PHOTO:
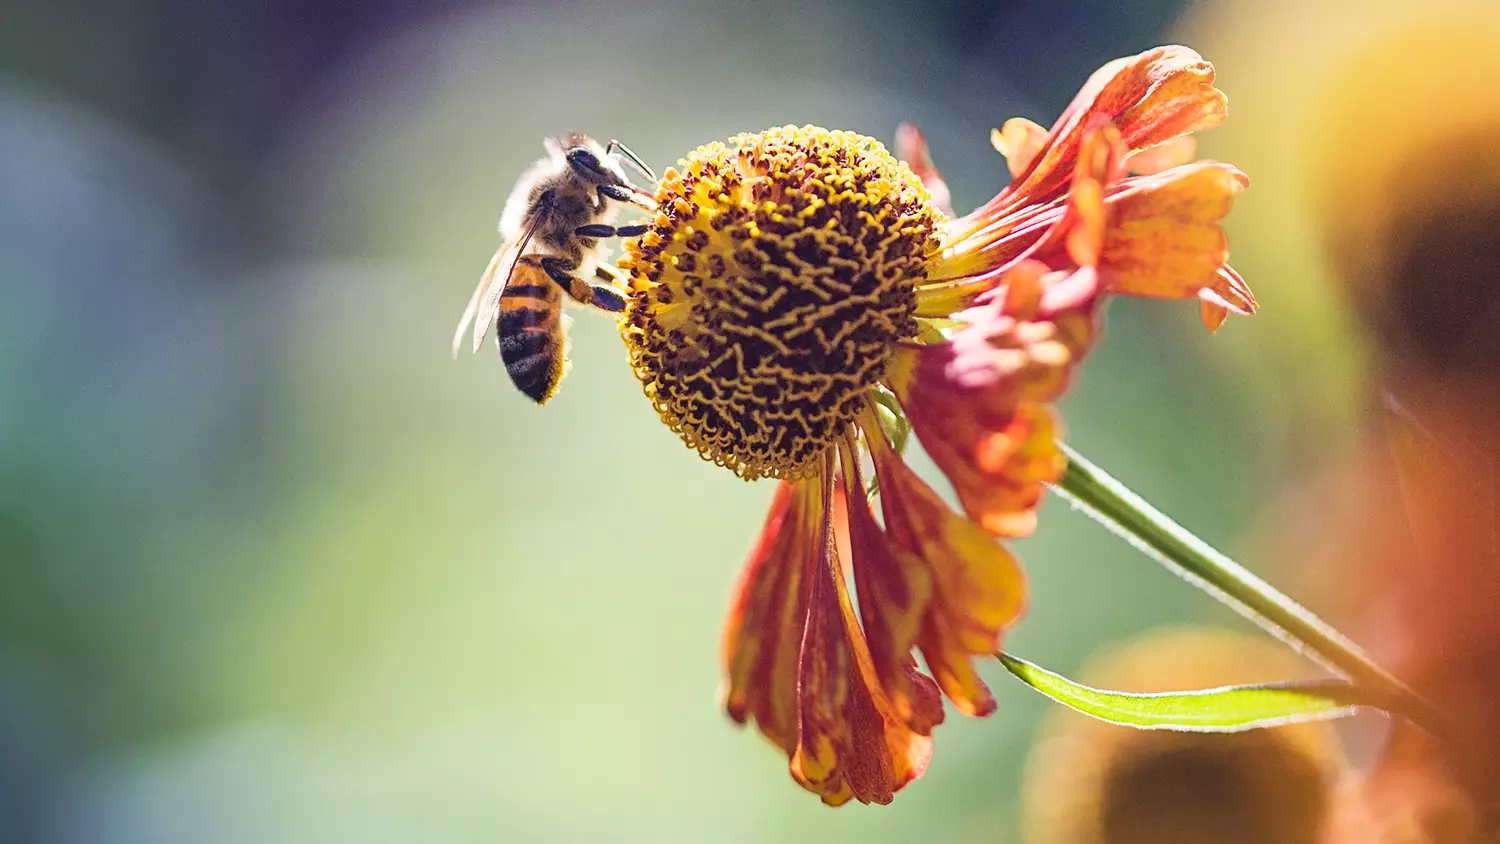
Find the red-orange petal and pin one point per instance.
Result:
(763, 636)
(1067, 232)
(1151, 98)
(895, 591)
(911, 147)
(978, 402)
(850, 745)
(979, 588)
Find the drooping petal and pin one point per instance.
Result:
(763, 637)
(978, 402)
(979, 588)
(849, 742)
(1230, 289)
(895, 590)
(911, 147)
(1164, 239)
(1211, 312)
(997, 453)
(1227, 293)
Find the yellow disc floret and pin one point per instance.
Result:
(768, 296)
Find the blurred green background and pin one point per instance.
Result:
(274, 569)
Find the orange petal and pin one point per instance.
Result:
(763, 637)
(980, 588)
(1230, 290)
(911, 147)
(1164, 239)
(1163, 156)
(1019, 140)
(1100, 162)
(849, 743)
(1211, 312)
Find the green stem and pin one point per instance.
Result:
(1177, 548)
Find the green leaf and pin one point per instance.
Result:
(1229, 709)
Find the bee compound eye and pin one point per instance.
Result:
(586, 163)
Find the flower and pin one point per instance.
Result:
(802, 303)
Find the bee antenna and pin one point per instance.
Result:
(631, 157)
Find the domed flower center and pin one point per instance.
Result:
(769, 295)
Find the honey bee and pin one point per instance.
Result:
(551, 229)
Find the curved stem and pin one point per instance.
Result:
(1112, 504)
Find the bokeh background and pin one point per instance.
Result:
(273, 568)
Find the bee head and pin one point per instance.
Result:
(591, 164)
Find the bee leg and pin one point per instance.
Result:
(608, 298)
(613, 288)
(600, 230)
(560, 270)
(628, 193)
(618, 193)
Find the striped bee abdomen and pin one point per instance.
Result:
(530, 332)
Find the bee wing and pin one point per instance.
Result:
(485, 302)
(486, 298)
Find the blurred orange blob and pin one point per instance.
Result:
(1414, 542)
(1401, 166)
(1398, 159)
(1089, 782)
(1410, 224)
